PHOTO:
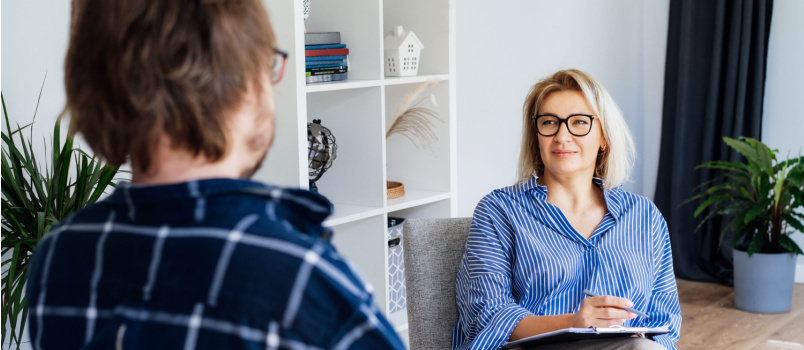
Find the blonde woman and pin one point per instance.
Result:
(566, 227)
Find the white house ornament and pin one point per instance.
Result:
(402, 50)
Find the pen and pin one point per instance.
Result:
(629, 309)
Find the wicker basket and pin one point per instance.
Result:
(394, 189)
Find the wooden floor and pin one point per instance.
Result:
(710, 321)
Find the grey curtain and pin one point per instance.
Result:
(714, 87)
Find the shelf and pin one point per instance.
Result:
(342, 85)
(414, 198)
(348, 212)
(414, 79)
(359, 83)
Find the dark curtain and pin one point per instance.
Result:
(714, 87)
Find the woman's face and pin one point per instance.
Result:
(565, 154)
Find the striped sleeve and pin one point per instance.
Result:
(487, 309)
(663, 307)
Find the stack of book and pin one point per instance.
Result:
(326, 59)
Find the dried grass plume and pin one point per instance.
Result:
(414, 122)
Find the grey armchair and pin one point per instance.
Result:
(433, 251)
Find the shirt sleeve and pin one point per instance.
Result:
(368, 330)
(663, 306)
(488, 312)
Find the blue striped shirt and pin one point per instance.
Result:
(211, 264)
(524, 258)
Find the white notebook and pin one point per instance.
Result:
(574, 334)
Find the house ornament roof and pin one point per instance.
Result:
(394, 39)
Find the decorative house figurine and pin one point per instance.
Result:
(402, 49)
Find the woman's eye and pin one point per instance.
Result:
(579, 122)
(548, 122)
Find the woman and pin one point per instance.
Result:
(565, 227)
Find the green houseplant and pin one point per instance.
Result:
(759, 198)
(34, 199)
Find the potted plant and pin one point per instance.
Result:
(34, 199)
(759, 197)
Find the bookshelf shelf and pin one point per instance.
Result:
(414, 198)
(343, 85)
(358, 111)
(345, 213)
(363, 83)
(411, 80)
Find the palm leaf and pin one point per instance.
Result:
(34, 198)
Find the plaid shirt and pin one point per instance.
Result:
(212, 264)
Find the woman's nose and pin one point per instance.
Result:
(563, 133)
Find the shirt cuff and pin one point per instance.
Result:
(500, 327)
(665, 341)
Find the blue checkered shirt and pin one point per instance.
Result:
(211, 264)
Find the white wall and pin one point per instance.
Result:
(34, 42)
(782, 119)
(504, 49)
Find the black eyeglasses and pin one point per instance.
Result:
(577, 124)
(278, 68)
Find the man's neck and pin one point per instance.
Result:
(170, 165)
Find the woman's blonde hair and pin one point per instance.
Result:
(614, 162)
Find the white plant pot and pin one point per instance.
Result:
(763, 283)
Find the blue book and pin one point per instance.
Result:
(325, 63)
(324, 58)
(321, 47)
(325, 66)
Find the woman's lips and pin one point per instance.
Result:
(563, 153)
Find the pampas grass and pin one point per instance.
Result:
(414, 122)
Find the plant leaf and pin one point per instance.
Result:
(792, 221)
(34, 198)
(789, 244)
(760, 209)
(764, 155)
(756, 244)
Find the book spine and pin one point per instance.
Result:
(322, 38)
(329, 66)
(325, 71)
(326, 52)
(319, 47)
(325, 63)
(324, 58)
(326, 77)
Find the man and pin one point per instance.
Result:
(189, 255)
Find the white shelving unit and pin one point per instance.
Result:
(357, 111)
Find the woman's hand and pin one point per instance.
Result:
(604, 311)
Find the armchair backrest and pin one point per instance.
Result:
(433, 251)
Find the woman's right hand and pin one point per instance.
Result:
(603, 311)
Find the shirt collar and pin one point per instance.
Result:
(126, 191)
(613, 197)
(304, 203)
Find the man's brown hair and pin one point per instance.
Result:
(137, 68)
